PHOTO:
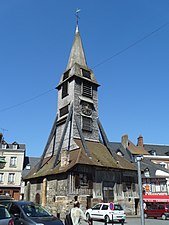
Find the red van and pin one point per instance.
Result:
(157, 210)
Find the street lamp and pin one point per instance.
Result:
(138, 159)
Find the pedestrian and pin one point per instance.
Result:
(77, 214)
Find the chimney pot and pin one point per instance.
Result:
(140, 141)
(124, 141)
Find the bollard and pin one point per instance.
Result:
(122, 222)
(112, 219)
(91, 221)
(105, 221)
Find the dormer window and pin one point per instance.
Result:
(146, 172)
(153, 152)
(86, 73)
(163, 164)
(167, 153)
(118, 152)
(87, 89)
(28, 167)
(15, 145)
(4, 146)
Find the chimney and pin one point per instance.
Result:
(140, 141)
(1, 137)
(124, 140)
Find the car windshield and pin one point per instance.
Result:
(4, 214)
(32, 210)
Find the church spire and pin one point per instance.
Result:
(77, 54)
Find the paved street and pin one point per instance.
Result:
(135, 221)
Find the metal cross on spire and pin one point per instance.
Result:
(77, 16)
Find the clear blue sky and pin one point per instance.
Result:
(35, 41)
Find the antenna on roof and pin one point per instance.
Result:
(77, 16)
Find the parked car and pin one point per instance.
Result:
(28, 213)
(157, 210)
(107, 212)
(5, 217)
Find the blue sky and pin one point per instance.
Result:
(126, 44)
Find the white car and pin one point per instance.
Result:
(107, 212)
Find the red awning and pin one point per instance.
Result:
(156, 198)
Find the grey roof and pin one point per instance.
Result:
(77, 54)
(145, 163)
(161, 150)
(29, 161)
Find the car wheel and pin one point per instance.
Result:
(107, 219)
(163, 217)
(88, 216)
(145, 215)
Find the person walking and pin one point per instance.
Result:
(77, 214)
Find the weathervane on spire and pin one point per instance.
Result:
(77, 16)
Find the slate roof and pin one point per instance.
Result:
(161, 150)
(133, 150)
(29, 161)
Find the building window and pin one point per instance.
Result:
(86, 73)
(15, 146)
(87, 89)
(28, 167)
(118, 152)
(87, 124)
(64, 111)
(1, 177)
(65, 89)
(4, 146)
(146, 172)
(13, 162)
(11, 178)
(153, 152)
(163, 164)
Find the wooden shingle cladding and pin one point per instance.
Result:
(100, 156)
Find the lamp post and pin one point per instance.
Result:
(138, 159)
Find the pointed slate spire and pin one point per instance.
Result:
(77, 54)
